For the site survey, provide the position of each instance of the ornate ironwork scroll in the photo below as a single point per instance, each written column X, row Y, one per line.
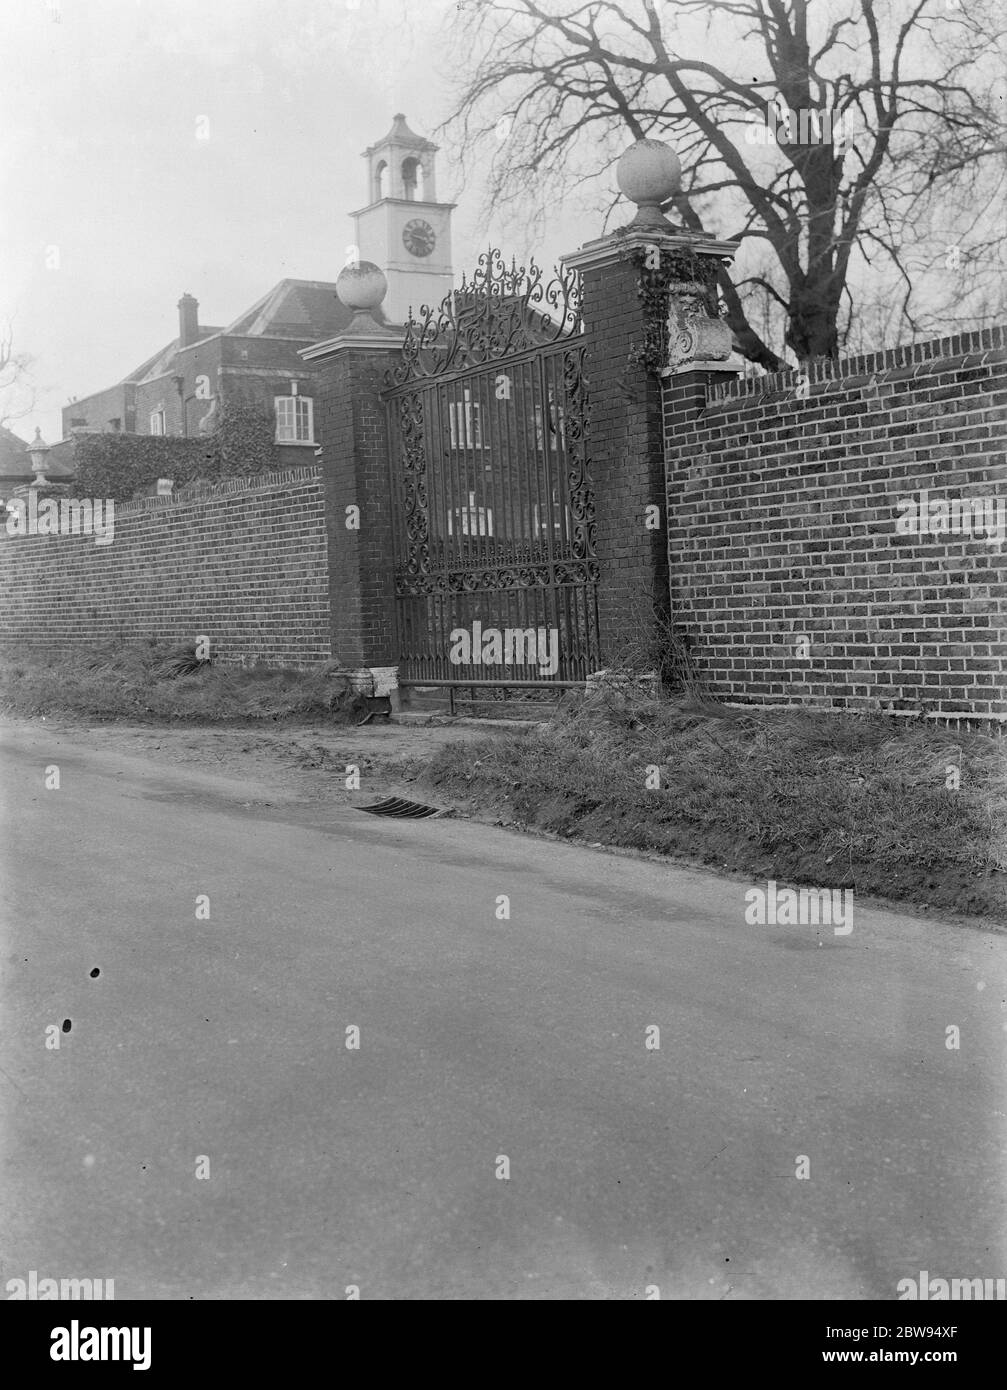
column 575, row 429
column 414, row 490
column 493, row 508
column 502, row 310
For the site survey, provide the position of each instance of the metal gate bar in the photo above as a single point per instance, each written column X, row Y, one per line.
column 493, row 514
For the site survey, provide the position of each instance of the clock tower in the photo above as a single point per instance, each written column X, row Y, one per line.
column 403, row 228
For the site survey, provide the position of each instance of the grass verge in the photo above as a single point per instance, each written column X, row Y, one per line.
column 826, row 800
column 161, row 682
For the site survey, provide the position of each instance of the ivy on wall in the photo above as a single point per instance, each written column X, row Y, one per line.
column 661, row 272
column 245, row 438
column 123, row 466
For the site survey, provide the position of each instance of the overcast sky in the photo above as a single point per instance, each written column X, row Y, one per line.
column 99, row 104
column 111, row 206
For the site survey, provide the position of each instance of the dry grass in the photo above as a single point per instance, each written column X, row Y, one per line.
column 158, row 681
column 830, row 800
column 827, row 799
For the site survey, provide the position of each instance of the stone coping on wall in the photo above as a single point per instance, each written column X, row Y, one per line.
column 206, row 491
column 963, row 351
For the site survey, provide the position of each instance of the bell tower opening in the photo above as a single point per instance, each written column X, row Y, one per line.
column 412, row 174
column 404, row 229
column 402, row 165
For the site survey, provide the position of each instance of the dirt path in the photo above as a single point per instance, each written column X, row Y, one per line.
column 292, row 762
column 293, row 767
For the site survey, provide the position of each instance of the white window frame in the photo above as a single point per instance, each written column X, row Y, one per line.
column 553, row 418
column 471, row 520
column 295, row 419
column 158, row 424
column 465, row 419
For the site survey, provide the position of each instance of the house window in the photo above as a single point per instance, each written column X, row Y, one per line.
column 294, row 420
column 465, row 424
column 157, row 421
column 471, row 520
column 554, row 424
column 561, row 524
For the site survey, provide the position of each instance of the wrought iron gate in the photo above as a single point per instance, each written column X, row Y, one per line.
column 495, row 569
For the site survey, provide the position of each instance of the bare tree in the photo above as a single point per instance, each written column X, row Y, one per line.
column 911, row 87
column 17, row 395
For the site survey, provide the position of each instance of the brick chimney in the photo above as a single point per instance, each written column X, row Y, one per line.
column 188, row 320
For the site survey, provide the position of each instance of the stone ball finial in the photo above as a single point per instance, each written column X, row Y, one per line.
column 361, row 287
column 648, row 174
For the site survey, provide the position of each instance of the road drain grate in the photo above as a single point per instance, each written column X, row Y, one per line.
column 404, row 810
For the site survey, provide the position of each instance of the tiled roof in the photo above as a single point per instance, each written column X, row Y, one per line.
column 161, row 361
column 303, row 309
column 14, row 460
column 16, row 464
column 59, row 461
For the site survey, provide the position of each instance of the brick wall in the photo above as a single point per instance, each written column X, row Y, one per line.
column 781, row 526
column 351, row 418
column 626, row 468
column 199, row 359
column 266, row 354
column 116, row 403
column 242, row 562
column 254, row 369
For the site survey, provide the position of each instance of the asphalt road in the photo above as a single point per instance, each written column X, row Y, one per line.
column 480, row 1037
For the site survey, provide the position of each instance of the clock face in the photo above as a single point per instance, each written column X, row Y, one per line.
column 419, row 237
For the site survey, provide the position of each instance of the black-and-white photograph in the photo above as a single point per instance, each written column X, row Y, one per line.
column 503, row 665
